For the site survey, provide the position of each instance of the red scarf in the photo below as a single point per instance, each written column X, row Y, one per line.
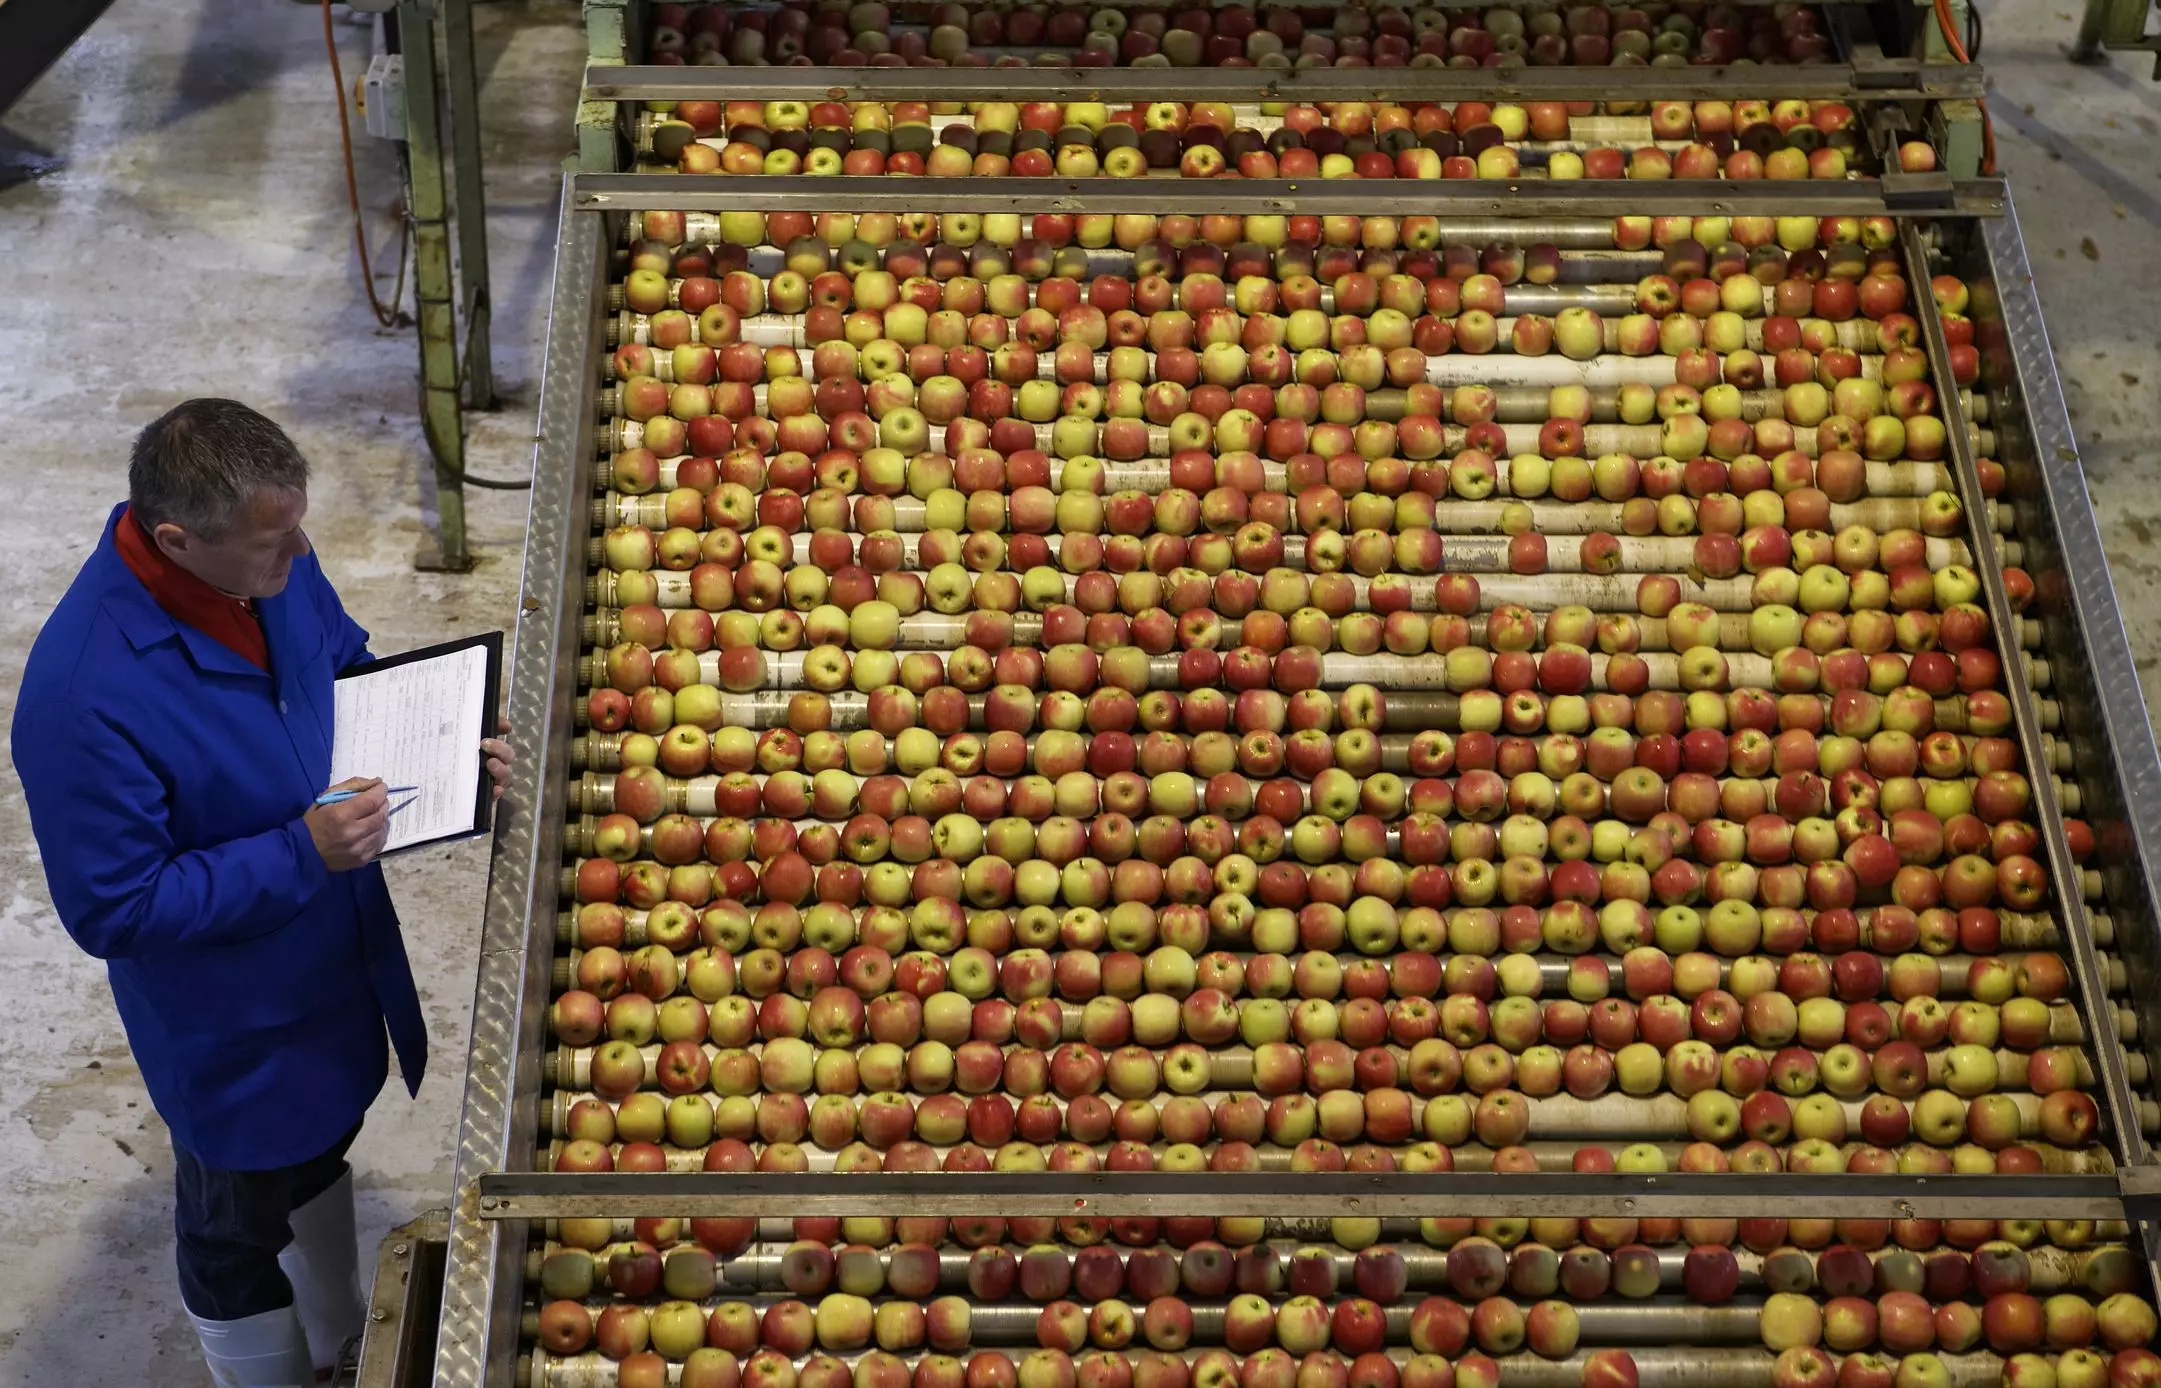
column 225, row 619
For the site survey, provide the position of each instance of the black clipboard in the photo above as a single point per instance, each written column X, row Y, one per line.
column 491, row 694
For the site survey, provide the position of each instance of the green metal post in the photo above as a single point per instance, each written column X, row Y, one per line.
column 2087, row 49
column 610, row 25
column 435, row 290
column 611, row 39
column 1960, row 138
column 461, row 81
column 2115, row 26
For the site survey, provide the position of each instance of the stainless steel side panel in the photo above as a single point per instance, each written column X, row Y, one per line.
column 483, row 1279
column 2082, row 633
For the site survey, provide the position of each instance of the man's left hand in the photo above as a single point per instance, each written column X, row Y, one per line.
column 499, row 756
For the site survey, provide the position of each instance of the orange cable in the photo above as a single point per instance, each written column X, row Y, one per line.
column 386, row 317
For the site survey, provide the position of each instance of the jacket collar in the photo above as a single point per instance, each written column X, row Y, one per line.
column 145, row 624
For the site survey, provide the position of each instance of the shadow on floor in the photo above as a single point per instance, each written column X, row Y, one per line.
column 140, row 1321
column 23, row 160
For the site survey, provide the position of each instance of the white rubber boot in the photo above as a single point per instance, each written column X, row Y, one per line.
column 265, row 1351
column 323, row 1264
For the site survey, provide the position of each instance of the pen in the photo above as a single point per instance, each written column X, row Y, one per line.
column 335, row 797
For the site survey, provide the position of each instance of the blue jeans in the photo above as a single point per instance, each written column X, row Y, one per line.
column 231, row 1226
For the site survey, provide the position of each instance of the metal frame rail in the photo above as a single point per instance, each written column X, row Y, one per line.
column 496, row 1191
column 1310, row 1195
column 1886, row 60
column 1932, row 195
column 1882, row 79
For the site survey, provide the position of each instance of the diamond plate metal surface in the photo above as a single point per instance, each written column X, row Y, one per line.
column 2082, row 630
column 478, row 1340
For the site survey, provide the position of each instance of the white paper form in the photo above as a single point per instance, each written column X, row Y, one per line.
column 416, row 723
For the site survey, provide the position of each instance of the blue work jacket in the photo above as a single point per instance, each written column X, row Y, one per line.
column 166, row 778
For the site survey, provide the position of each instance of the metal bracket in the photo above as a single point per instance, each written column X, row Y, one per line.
column 1919, row 193
column 382, row 97
column 399, row 1337
column 2141, row 1187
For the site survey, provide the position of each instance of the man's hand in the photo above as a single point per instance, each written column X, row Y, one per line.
column 499, row 757
column 350, row 833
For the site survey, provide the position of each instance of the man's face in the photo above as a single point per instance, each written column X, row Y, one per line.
column 255, row 557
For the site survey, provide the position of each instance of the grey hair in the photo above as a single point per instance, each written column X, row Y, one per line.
column 201, row 463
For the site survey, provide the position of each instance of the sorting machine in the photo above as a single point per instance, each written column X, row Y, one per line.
column 1140, row 870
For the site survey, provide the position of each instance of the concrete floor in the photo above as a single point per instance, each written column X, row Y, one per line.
column 174, row 222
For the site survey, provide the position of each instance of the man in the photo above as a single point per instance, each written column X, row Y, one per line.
column 172, row 735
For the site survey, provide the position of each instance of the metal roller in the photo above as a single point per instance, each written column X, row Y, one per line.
column 1605, row 373
column 1584, row 132
column 2030, row 932
column 2021, row 931
column 1606, row 277
column 1788, row 1266
column 1576, row 265
column 1609, row 1117
column 1551, row 518
column 1472, row 554
column 1409, row 712
column 1590, row 233
column 595, row 751
column 1608, row 593
column 1513, row 404
column 2097, row 1267
column 2100, row 1270
column 698, row 795
column 1013, row 1325
column 1607, row 298
column 1231, row 1073
column 1662, row 1365
column 1858, row 335
column 1391, row 674
column 1555, row 1157
column 932, row 631
column 1152, row 475
column 1644, row 440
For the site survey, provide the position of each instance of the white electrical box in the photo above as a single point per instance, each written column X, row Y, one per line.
column 383, row 96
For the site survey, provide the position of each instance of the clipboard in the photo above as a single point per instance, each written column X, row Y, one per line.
column 417, row 718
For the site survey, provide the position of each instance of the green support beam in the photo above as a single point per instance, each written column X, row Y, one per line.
column 613, row 36
column 470, row 206
column 434, row 286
